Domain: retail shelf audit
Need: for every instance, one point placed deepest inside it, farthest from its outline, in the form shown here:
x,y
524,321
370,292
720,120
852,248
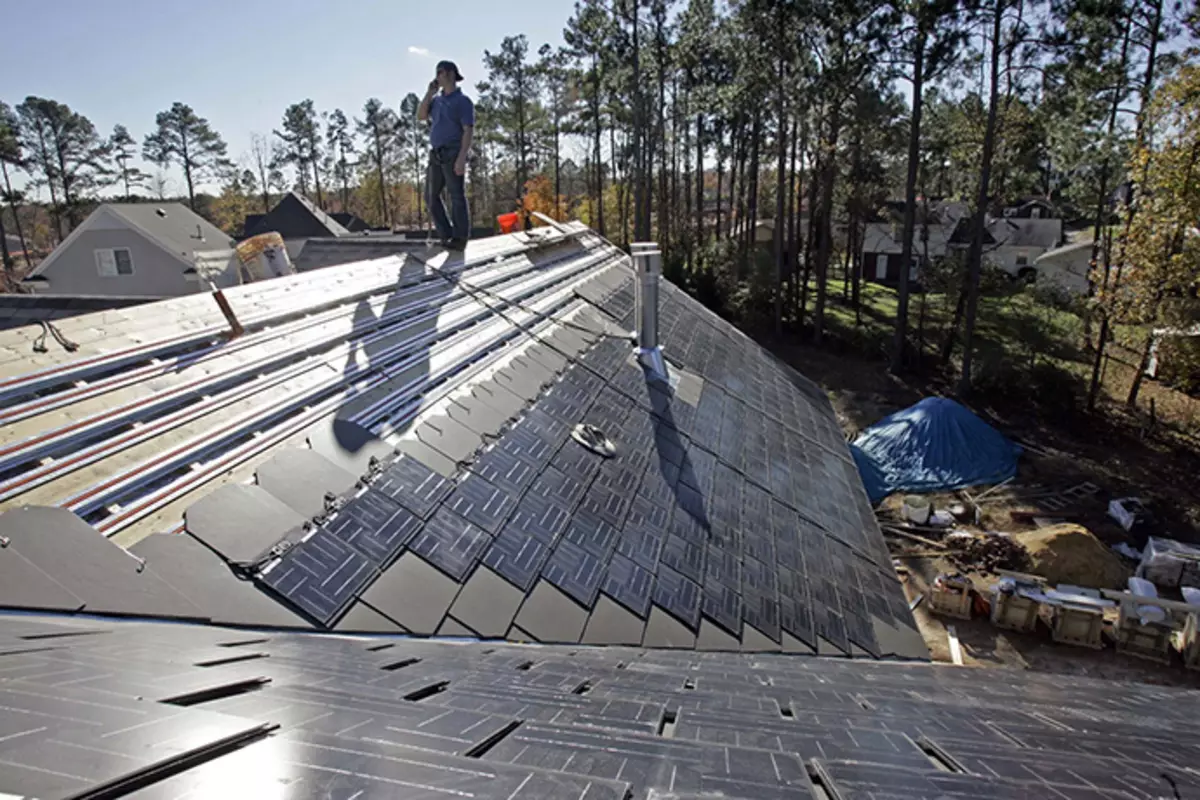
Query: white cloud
x,y
418,51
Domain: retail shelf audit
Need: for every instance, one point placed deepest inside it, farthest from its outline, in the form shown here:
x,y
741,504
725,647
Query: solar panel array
x,y
119,708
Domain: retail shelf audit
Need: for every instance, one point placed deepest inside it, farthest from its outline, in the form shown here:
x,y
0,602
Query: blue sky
x,y
239,64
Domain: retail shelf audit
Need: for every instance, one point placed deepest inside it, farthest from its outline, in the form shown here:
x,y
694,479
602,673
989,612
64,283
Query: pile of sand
x,y
1072,554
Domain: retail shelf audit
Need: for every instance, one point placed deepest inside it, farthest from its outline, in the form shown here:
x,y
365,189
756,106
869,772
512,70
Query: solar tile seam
x,y
82,368
43,473
161,495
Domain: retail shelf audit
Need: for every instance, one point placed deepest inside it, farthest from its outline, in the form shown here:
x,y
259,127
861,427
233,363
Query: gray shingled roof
x,y
178,228
295,216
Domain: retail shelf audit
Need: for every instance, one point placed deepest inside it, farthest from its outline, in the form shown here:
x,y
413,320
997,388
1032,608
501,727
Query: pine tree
x,y
123,149
188,140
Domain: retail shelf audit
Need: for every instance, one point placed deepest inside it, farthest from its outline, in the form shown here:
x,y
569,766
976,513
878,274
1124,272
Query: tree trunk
x,y
736,176
720,142
792,225
387,217
558,215
975,254
1140,372
751,221
690,246
910,198
824,251
12,204
799,240
187,176
780,187
641,212
5,258
599,160
699,180
317,184
1131,210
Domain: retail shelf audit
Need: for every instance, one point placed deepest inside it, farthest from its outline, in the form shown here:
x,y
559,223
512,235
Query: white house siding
x,y
1066,269
156,273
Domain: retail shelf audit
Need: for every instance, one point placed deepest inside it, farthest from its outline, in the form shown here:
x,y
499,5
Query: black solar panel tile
x,y
669,443
413,485
538,516
374,526
629,584
622,475
451,543
723,565
683,556
534,440
699,470
688,528
592,533
320,575
690,502
504,471
679,595
577,461
641,543
575,571
559,488
545,427
658,483
605,503
723,605
517,557
481,502
762,611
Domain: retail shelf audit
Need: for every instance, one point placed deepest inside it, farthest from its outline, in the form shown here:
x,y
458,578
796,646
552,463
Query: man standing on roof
x,y
453,124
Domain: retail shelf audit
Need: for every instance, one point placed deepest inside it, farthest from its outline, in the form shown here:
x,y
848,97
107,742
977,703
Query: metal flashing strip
x,y
90,427
451,356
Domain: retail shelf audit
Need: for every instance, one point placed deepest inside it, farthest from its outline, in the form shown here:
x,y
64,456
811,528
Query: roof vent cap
x,y
594,439
161,213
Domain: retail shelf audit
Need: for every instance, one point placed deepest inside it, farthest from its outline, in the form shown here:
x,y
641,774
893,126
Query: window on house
x,y
914,267
1035,212
111,262
1022,261
881,264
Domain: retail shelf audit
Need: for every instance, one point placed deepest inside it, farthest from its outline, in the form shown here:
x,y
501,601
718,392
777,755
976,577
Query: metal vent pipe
x,y
647,263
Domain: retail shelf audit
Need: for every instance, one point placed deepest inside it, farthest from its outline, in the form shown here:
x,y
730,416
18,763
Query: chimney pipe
x,y
647,262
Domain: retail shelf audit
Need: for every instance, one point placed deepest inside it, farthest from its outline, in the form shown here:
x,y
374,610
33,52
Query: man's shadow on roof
x,y
389,348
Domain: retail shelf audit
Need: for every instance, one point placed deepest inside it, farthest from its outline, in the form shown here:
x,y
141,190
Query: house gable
x,y
75,266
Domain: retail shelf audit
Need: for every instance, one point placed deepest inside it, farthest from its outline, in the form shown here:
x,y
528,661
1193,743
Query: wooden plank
x,y
955,649
913,537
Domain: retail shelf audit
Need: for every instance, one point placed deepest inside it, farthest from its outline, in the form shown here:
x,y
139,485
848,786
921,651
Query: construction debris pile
x,y
989,553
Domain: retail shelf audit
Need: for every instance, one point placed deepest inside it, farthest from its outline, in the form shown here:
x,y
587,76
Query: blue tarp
x,y
935,445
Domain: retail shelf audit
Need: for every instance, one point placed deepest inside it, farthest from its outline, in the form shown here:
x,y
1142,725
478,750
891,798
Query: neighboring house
x,y
1020,241
1010,243
351,222
1066,268
295,217
135,250
1032,208
933,238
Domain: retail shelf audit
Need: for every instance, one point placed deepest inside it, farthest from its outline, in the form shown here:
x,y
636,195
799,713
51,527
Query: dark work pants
x,y
441,176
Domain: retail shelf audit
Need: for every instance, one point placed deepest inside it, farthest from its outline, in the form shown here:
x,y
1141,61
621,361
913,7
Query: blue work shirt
x,y
450,113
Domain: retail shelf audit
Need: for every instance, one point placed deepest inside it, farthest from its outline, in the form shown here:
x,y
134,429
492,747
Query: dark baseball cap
x,y
449,66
